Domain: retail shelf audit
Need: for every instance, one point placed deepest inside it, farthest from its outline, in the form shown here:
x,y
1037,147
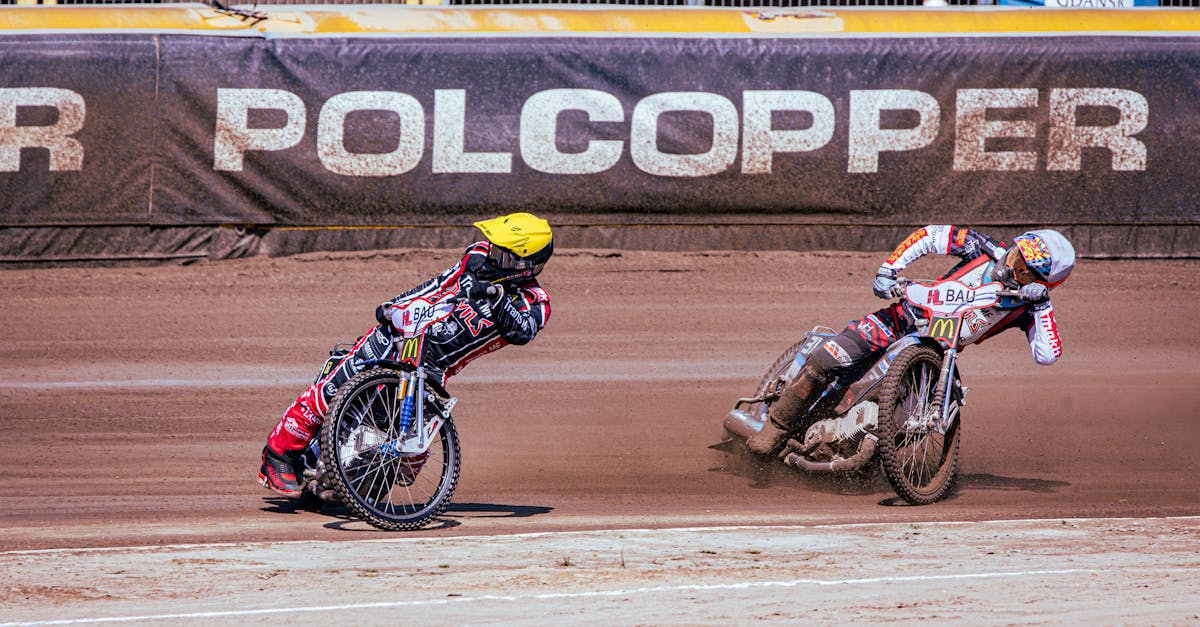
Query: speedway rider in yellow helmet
x,y
502,304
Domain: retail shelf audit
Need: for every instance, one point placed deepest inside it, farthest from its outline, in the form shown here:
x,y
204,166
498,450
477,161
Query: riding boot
x,y
785,414
278,473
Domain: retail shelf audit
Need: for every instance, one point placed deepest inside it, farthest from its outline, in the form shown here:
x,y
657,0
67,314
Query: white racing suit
x,y
865,339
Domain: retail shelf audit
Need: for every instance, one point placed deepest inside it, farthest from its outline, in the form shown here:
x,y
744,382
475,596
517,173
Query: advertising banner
x,y
77,129
182,130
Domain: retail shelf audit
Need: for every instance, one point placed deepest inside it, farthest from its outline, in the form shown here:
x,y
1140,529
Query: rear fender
x,y
813,339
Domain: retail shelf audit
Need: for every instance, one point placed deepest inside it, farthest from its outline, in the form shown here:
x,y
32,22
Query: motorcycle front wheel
x,y
388,490
918,456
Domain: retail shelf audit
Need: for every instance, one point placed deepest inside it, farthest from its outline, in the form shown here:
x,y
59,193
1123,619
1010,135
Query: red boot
x,y
278,474
291,435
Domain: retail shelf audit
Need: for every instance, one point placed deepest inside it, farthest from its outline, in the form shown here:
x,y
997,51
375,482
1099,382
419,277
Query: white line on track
x,y
549,534
624,592
741,585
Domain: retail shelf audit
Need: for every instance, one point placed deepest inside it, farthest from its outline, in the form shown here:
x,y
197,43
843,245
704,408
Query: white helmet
x,y
1048,254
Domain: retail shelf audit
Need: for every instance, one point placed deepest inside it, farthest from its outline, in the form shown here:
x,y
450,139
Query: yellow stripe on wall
x,y
417,19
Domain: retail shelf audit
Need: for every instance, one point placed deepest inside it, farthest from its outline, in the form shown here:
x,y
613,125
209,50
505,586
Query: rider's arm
x,y
448,279
1044,341
383,313
519,317
942,239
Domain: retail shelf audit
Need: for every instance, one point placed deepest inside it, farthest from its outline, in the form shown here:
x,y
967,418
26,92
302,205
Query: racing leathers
x,y
857,347
473,328
982,261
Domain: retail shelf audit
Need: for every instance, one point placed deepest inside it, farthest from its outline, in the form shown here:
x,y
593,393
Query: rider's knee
x,y
830,357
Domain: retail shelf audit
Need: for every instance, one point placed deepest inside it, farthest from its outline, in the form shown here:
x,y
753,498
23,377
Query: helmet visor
x,y
509,264
1021,271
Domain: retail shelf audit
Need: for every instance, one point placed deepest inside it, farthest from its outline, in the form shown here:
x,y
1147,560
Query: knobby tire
x,y
379,488
776,370
920,464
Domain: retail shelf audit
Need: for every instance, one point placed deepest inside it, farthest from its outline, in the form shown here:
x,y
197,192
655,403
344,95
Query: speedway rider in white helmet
x,y
1036,262
515,250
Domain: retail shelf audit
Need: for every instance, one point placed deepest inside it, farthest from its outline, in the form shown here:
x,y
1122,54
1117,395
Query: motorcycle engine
x,y
837,438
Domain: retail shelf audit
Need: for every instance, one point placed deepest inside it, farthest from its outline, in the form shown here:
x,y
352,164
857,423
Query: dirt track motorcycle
x,y
903,411
388,448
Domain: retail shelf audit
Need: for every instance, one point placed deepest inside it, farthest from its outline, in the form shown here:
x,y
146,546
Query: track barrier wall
x,y
198,134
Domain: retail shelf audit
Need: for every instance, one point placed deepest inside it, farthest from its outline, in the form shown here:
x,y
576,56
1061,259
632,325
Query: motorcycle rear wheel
x,y
919,460
771,385
388,491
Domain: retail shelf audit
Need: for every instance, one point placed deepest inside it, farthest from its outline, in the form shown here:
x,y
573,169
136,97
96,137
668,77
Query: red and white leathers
x,y
869,336
844,356
474,328
1037,320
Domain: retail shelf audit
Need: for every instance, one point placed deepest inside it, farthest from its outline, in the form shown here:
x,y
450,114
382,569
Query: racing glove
x,y
476,289
1035,293
885,282
483,291
487,298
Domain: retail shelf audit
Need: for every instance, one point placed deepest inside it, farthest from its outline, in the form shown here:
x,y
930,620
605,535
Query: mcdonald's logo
x,y
944,328
410,351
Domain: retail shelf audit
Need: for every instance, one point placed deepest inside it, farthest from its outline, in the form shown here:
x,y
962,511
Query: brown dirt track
x,y
135,402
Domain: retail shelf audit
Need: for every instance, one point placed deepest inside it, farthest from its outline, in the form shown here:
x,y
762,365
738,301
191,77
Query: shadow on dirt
x,y
447,520
766,472
982,481
309,503
346,521
495,510
306,503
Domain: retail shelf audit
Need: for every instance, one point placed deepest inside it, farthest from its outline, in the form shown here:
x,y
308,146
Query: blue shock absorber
x,y
406,408
392,449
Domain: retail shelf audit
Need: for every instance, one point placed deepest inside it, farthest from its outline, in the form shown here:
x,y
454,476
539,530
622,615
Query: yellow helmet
x,y
521,244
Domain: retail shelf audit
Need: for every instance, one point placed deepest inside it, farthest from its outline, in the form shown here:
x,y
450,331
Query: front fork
x,y
412,411
414,385
412,390
943,396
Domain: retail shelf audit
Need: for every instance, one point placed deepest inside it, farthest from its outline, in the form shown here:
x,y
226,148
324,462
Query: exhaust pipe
x,y
741,424
866,449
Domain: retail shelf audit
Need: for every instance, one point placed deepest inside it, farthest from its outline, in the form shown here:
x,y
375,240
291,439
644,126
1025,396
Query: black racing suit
x,y
473,328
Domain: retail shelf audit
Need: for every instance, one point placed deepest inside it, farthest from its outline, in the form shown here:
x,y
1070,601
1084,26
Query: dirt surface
x,y
135,402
